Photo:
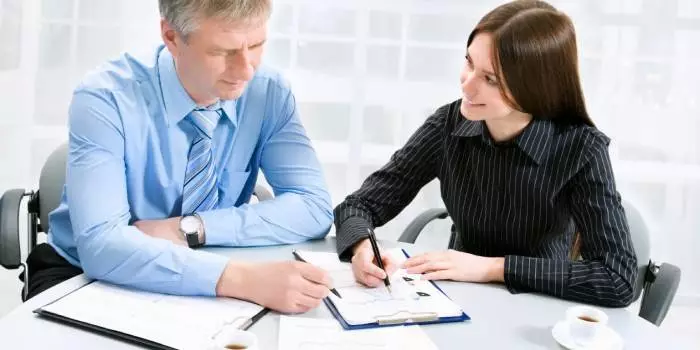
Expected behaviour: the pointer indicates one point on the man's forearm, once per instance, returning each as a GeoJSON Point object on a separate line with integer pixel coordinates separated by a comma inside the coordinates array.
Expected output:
{"type": "Point", "coordinates": [125, 256]}
{"type": "Point", "coordinates": [289, 218]}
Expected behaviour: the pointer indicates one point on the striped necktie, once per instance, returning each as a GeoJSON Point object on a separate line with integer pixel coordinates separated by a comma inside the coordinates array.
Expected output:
{"type": "Point", "coordinates": [200, 192]}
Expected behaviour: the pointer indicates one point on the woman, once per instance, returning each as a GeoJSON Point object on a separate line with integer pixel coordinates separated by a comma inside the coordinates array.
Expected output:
{"type": "Point", "coordinates": [522, 168]}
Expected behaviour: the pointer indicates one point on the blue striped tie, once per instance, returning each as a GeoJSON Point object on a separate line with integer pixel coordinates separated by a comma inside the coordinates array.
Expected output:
{"type": "Point", "coordinates": [200, 192]}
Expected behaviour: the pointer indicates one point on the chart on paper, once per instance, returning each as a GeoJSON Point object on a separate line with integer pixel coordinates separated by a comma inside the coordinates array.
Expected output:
{"type": "Point", "coordinates": [410, 296]}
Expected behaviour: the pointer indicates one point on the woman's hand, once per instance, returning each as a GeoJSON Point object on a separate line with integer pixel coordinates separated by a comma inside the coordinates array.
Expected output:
{"type": "Point", "coordinates": [364, 266]}
{"type": "Point", "coordinates": [457, 266]}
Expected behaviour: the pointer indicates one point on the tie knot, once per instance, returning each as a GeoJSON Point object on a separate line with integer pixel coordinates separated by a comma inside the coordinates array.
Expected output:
{"type": "Point", "coordinates": [205, 120]}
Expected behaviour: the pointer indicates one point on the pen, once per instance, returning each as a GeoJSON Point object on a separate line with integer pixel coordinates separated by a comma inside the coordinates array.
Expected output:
{"type": "Point", "coordinates": [298, 257]}
{"type": "Point", "coordinates": [378, 258]}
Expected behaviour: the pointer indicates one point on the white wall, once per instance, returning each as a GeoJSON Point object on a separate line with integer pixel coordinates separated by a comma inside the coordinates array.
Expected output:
{"type": "Point", "coordinates": [367, 73]}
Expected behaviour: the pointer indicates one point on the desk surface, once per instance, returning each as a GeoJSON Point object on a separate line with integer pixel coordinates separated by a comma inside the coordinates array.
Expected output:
{"type": "Point", "coordinates": [500, 320]}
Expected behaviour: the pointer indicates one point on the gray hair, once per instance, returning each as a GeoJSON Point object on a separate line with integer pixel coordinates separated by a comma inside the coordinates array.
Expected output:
{"type": "Point", "coordinates": [184, 14]}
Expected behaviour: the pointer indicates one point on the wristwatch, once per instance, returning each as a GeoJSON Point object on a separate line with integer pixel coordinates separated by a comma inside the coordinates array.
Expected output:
{"type": "Point", "coordinates": [192, 228]}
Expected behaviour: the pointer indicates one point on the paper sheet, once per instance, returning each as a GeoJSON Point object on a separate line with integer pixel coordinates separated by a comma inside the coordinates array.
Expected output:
{"type": "Point", "coordinates": [411, 297]}
{"type": "Point", "coordinates": [297, 333]}
{"type": "Point", "coordinates": [175, 321]}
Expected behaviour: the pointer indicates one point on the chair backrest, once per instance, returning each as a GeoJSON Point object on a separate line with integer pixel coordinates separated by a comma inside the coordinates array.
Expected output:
{"type": "Point", "coordinates": [51, 183]}
{"type": "Point", "coordinates": [641, 241]}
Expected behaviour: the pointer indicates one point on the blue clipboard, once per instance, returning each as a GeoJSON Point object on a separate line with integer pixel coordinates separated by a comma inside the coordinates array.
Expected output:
{"type": "Point", "coordinates": [396, 322]}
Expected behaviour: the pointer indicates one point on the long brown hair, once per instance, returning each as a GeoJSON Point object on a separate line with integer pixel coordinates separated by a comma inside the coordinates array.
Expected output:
{"type": "Point", "coordinates": [535, 55]}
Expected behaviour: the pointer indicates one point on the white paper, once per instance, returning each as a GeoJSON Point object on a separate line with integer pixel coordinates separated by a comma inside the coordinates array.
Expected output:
{"type": "Point", "coordinates": [175, 321]}
{"type": "Point", "coordinates": [297, 333]}
{"type": "Point", "coordinates": [414, 299]}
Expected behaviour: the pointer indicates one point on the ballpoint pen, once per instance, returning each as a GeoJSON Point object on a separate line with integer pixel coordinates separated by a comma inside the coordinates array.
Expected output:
{"type": "Point", "coordinates": [299, 258]}
{"type": "Point", "coordinates": [378, 258]}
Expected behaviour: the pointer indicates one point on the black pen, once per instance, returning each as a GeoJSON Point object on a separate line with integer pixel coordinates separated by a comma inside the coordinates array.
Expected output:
{"type": "Point", "coordinates": [298, 257]}
{"type": "Point", "coordinates": [378, 258]}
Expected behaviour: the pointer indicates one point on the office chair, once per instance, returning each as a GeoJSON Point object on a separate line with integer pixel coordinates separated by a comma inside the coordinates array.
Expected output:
{"type": "Point", "coordinates": [657, 282]}
{"type": "Point", "coordinates": [40, 203]}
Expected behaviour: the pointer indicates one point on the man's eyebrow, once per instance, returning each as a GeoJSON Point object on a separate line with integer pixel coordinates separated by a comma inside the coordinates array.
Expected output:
{"type": "Point", "coordinates": [256, 45]}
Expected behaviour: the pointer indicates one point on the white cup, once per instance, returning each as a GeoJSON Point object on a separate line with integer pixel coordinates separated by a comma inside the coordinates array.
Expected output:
{"type": "Point", "coordinates": [235, 339]}
{"type": "Point", "coordinates": [585, 323]}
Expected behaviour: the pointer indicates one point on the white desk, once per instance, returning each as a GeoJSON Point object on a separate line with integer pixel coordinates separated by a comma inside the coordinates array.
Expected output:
{"type": "Point", "coordinates": [500, 320]}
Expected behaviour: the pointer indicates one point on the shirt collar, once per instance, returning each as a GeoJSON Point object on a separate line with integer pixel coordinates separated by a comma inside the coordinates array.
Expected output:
{"type": "Point", "coordinates": [534, 140]}
{"type": "Point", "coordinates": [178, 103]}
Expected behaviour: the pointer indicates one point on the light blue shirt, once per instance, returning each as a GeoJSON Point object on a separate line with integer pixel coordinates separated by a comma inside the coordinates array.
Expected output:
{"type": "Point", "coordinates": [128, 148]}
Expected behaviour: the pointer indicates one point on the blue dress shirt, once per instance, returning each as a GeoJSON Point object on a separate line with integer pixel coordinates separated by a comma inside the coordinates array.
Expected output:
{"type": "Point", "coordinates": [128, 148]}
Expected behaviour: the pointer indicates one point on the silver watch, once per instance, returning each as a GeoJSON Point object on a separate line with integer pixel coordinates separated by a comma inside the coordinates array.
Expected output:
{"type": "Point", "coordinates": [192, 228]}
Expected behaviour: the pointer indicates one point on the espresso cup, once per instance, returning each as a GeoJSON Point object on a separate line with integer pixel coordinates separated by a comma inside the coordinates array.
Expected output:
{"type": "Point", "coordinates": [585, 323]}
{"type": "Point", "coordinates": [235, 339]}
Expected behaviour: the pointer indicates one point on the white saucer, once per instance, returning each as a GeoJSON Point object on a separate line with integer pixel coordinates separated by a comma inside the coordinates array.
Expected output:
{"type": "Point", "coordinates": [607, 338]}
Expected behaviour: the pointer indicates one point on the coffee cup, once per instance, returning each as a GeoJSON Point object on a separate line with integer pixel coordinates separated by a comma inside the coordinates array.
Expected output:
{"type": "Point", "coordinates": [585, 323]}
{"type": "Point", "coordinates": [235, 339]}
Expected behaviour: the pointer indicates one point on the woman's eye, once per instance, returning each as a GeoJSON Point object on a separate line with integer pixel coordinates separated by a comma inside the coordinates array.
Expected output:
{"type": "Point", "coordinates": [469, 64]}
{"type": "Point", "coordinates": [491, 81]}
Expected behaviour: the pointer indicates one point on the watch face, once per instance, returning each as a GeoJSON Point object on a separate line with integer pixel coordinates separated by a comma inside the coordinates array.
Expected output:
{"type": "Point", "coordinates": [189, 224]}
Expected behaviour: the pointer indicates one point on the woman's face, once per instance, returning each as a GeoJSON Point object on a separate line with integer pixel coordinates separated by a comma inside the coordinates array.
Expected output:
{"type": "Point", "coordinates": [481, 97]}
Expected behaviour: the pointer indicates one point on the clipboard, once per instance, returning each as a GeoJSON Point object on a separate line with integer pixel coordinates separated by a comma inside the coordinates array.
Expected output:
{"type": "Point", "coordinates": [400, 318]}
{"type": "Point", "coordinates": [116, 333]}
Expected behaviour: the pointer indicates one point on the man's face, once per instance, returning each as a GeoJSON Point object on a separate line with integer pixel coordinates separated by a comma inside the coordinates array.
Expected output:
{"type": "Point", "coordinates": [217, 59]}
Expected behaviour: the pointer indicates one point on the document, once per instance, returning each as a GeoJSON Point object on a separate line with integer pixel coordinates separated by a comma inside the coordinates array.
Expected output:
{"type": "Point", "coordinates": [411, 300]}
{"type": "Point", "coordinates": [165, 320]}
{"type": "Point", "coordinates": [298, 333]}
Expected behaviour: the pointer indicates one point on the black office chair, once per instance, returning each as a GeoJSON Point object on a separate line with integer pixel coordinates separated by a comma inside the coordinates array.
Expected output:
{"type": "Point", "coordinates": [657, 282]}
{"type": "Point", "coordinates": [41, 202]}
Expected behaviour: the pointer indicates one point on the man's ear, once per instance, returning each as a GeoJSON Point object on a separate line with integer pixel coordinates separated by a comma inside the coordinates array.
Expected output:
{"type": "Point", "coordinates": [169, 36]}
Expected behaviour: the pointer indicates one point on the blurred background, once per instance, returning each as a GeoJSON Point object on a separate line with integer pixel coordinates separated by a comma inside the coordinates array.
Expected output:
{"type": "Point", "coordinates": [367, 73]}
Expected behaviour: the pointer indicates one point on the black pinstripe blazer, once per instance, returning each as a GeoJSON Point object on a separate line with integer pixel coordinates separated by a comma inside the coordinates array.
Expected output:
{"type": "Point", "coordinates": [522, 200]}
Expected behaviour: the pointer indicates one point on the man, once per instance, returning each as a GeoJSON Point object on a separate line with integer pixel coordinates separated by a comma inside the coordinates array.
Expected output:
{"type": "Point", "coordinates": [164, 153]}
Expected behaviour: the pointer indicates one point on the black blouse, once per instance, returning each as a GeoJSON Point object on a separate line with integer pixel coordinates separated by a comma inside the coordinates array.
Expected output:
{"type": "Point", "coordinates": [521, 200]}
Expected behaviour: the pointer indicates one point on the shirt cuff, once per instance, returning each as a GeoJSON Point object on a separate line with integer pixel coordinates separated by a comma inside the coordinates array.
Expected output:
{"type": "Point", "coordinates": [352, 230]}
{"type": "Point", "coordinates": [202, 273]}
{"type": "Point", "coordinates": [510, 276]}
{"type": "Point", "coordinates": [530, 274]}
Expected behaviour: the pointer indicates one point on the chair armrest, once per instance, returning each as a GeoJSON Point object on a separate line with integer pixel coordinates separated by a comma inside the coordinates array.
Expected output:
{"type": "Point", "coordinates": [410, 234]}
{"type": "Point", "coordinates": [10, 246]}
{"type": "Point", "coordinates": [262, 193]}
{"type": "Point", "coordinates": [659, 294]}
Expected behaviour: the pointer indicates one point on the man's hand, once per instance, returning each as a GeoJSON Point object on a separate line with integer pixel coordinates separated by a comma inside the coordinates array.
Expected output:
{"type": "Point", "coordinates": [288, 287]}
{"type": "Point", "coordinates": [457, 266]}
{"type": "Point", "coordinates": [364, 268]}
{"type": "Point", "coordinates": [166, 229]}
